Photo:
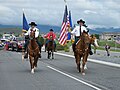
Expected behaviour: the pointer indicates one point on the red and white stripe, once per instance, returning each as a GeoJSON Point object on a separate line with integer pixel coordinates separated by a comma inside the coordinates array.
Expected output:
{"type": "Point", "coordinates": [63, 34]}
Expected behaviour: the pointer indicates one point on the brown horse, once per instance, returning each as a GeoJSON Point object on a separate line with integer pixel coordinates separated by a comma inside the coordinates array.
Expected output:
{"type": "Point", "coordinates": [33, 51]}
{"type": "Point", "coordinates": [82, 51]}
{"type": "Point", "coordinates": [50, 48]}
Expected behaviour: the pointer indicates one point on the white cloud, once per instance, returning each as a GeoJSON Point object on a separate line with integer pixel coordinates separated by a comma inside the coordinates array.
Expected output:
{"type": "Point", "coordinates": [90, 12]}
{"type": "Point", "coordinates": [105, 13]}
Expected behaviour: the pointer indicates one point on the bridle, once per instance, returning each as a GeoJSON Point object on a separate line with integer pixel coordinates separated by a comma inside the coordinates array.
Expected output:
{"type": "Point", "coordinates": [82, 40]}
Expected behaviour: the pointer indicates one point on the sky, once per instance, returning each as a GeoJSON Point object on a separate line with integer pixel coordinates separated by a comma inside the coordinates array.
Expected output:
{"type": "Point", "coordinates": [96, 13]}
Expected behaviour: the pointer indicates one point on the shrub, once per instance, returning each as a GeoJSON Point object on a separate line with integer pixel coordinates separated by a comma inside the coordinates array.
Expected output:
{"type": "Point", "coordinates": [66, 48]}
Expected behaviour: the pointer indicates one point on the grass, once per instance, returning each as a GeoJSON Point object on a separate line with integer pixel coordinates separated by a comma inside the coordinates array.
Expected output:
{"type": "Point", "coordinates": [110, 43]}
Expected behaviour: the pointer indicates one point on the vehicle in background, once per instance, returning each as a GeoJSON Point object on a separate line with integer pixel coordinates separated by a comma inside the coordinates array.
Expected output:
{"type": "Point", "coordinates": [1, 44]}
{"type": "Point", "coordinates": [3, 41]}
{"type": "Point", "coordinates": [7, 36]}
{"type": "Point", "coordinates": [16, 44]}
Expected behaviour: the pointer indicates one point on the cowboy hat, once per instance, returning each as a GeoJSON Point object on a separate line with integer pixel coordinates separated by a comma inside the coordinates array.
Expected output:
{"type": "Point", "coordinates": [80, 21]}
{"type": "Point", "coordinates": [32, 23]}
{"type": "Point", "coordinates": [51, 29]}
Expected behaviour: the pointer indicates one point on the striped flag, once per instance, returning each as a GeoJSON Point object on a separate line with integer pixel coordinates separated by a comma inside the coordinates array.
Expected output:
{"type": "Point", "coordinates": [25, 24]}
{"type": "Point", "coordinates": [64, 32]}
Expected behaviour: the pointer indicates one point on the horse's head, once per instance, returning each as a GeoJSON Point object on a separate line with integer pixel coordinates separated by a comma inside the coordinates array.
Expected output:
{"type": "Point", "coordinates": [83, 42]}
{"type": "Point", "coordinates": [94, 41]}
{"type": "Point", "coordinates": [32, 34]}
{"type": "Point", "coordinates": [51, 37]}
{"type": "Point", "coordinates": [85, 37]}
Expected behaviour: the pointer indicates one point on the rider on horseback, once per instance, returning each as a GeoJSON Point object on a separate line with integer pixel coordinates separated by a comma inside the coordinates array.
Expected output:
{"type": "Point", "coordinates": [32, 28]}
{"type": "Point", "coordinates": [48, 36]}
{"type": "Point", "coordinates": [77, 31]}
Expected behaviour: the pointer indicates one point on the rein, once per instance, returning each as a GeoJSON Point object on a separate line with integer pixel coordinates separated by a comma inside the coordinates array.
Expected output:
{"type": "Point", "coordinates": [83, 44]}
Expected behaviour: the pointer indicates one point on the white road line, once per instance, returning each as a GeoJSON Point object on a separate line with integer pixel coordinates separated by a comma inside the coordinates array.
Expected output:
{"type": "Point", "coordinates": [93, 60]}
{"type": "Point", "coordinates": [83, 82]}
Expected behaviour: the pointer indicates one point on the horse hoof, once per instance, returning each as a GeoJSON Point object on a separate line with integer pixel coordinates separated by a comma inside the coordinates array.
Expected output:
{"type": "Point", "coordinates": [83, 74]}
{"type": "Point", "coordinates": [85, 67]}
{"type": "Point", "coordinates": [32, 71]}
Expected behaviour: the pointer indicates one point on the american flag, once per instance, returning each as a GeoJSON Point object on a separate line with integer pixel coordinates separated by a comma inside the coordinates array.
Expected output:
{"type": "Point", "coordinates": [64, 32]}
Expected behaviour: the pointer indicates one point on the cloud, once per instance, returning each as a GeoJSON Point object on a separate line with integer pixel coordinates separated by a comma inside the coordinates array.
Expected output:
{"type": "Point", "coordinates": [104, 13]}
{"type": "Point", "coordinates": [90, 12]}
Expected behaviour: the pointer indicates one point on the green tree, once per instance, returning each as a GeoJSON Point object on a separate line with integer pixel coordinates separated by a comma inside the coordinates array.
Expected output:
{"type": "Point", "coordinates": [97, 36]}
{"type": "Point", "coordinates": [41, 39]}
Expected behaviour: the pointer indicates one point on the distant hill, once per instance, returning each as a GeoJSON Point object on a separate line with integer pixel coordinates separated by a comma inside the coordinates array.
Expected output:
{"type": "Point", "coordinates": [16, 30]}
{"type": "Point", "coordinates": [46, 28]}
{"type": "Point", "coordinates": [107, 29]}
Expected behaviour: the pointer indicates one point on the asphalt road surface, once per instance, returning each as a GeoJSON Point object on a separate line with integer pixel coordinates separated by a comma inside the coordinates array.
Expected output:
{"type": "Point", "coordinates": [57, 74]}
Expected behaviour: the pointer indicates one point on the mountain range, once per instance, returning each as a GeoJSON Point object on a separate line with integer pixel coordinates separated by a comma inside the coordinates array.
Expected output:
{"type": "Point", "coordinates": [46, 28]}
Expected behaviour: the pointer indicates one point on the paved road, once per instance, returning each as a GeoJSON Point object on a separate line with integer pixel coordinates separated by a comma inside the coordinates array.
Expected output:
{"type": "Point", "coordinates": [57, 74]}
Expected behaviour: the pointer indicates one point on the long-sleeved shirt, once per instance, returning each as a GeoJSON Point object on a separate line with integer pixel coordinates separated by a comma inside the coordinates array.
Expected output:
{"type": "Point", "coordinates": [36, 32]}
{"type": "Point", "coordinates": [76, 30]}
{"type": "Point", "coordinates": [48, 35]}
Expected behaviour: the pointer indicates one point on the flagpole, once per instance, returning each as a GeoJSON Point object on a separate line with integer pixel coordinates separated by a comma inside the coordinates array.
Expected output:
{"type": "Point", "coordinates": [65, 2]}
{"type": "Point", "coordinates": [23, 10]}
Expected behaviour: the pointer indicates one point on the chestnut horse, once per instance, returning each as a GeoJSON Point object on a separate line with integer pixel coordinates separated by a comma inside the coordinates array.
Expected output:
{"type": "Point", "coordinates": [33, 51]}
{"type": "Point", "coordinates": [82, 50]}
{"type": "Point", "coordinates": [50, 48]}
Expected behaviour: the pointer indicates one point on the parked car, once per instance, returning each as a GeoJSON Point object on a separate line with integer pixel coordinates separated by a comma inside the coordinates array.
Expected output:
{"type": "Point", "coordinates": [17, 44]}
{"type": "Point", "coordinates": [3, 41]}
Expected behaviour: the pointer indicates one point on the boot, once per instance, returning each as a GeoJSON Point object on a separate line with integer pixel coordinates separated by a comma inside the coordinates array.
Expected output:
{"type": "Point", "coordinates": [73, 47]}
{"type": "Point", "coordinates": [40, 52]}
{"type": "Point", "coordinates": [90, 52]}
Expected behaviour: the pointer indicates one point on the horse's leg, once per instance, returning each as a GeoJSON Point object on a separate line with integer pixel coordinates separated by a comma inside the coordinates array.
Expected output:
{"type": "Point", "coordinates": [84, 63]}
{"type": "Point", "coordinates": [35, 62]}
{"type": "Point", "coordinates": [78, 62]}
{"type": "Point", "coordinates": [32, 64]}
{"type": "Point", "coordinates": [52, 54]}
{"type": "Point", "coordinates": [48, 55]}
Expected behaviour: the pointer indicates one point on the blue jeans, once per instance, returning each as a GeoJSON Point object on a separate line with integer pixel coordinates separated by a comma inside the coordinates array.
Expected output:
{"type": "Point", "coordinates": [27, 42]}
